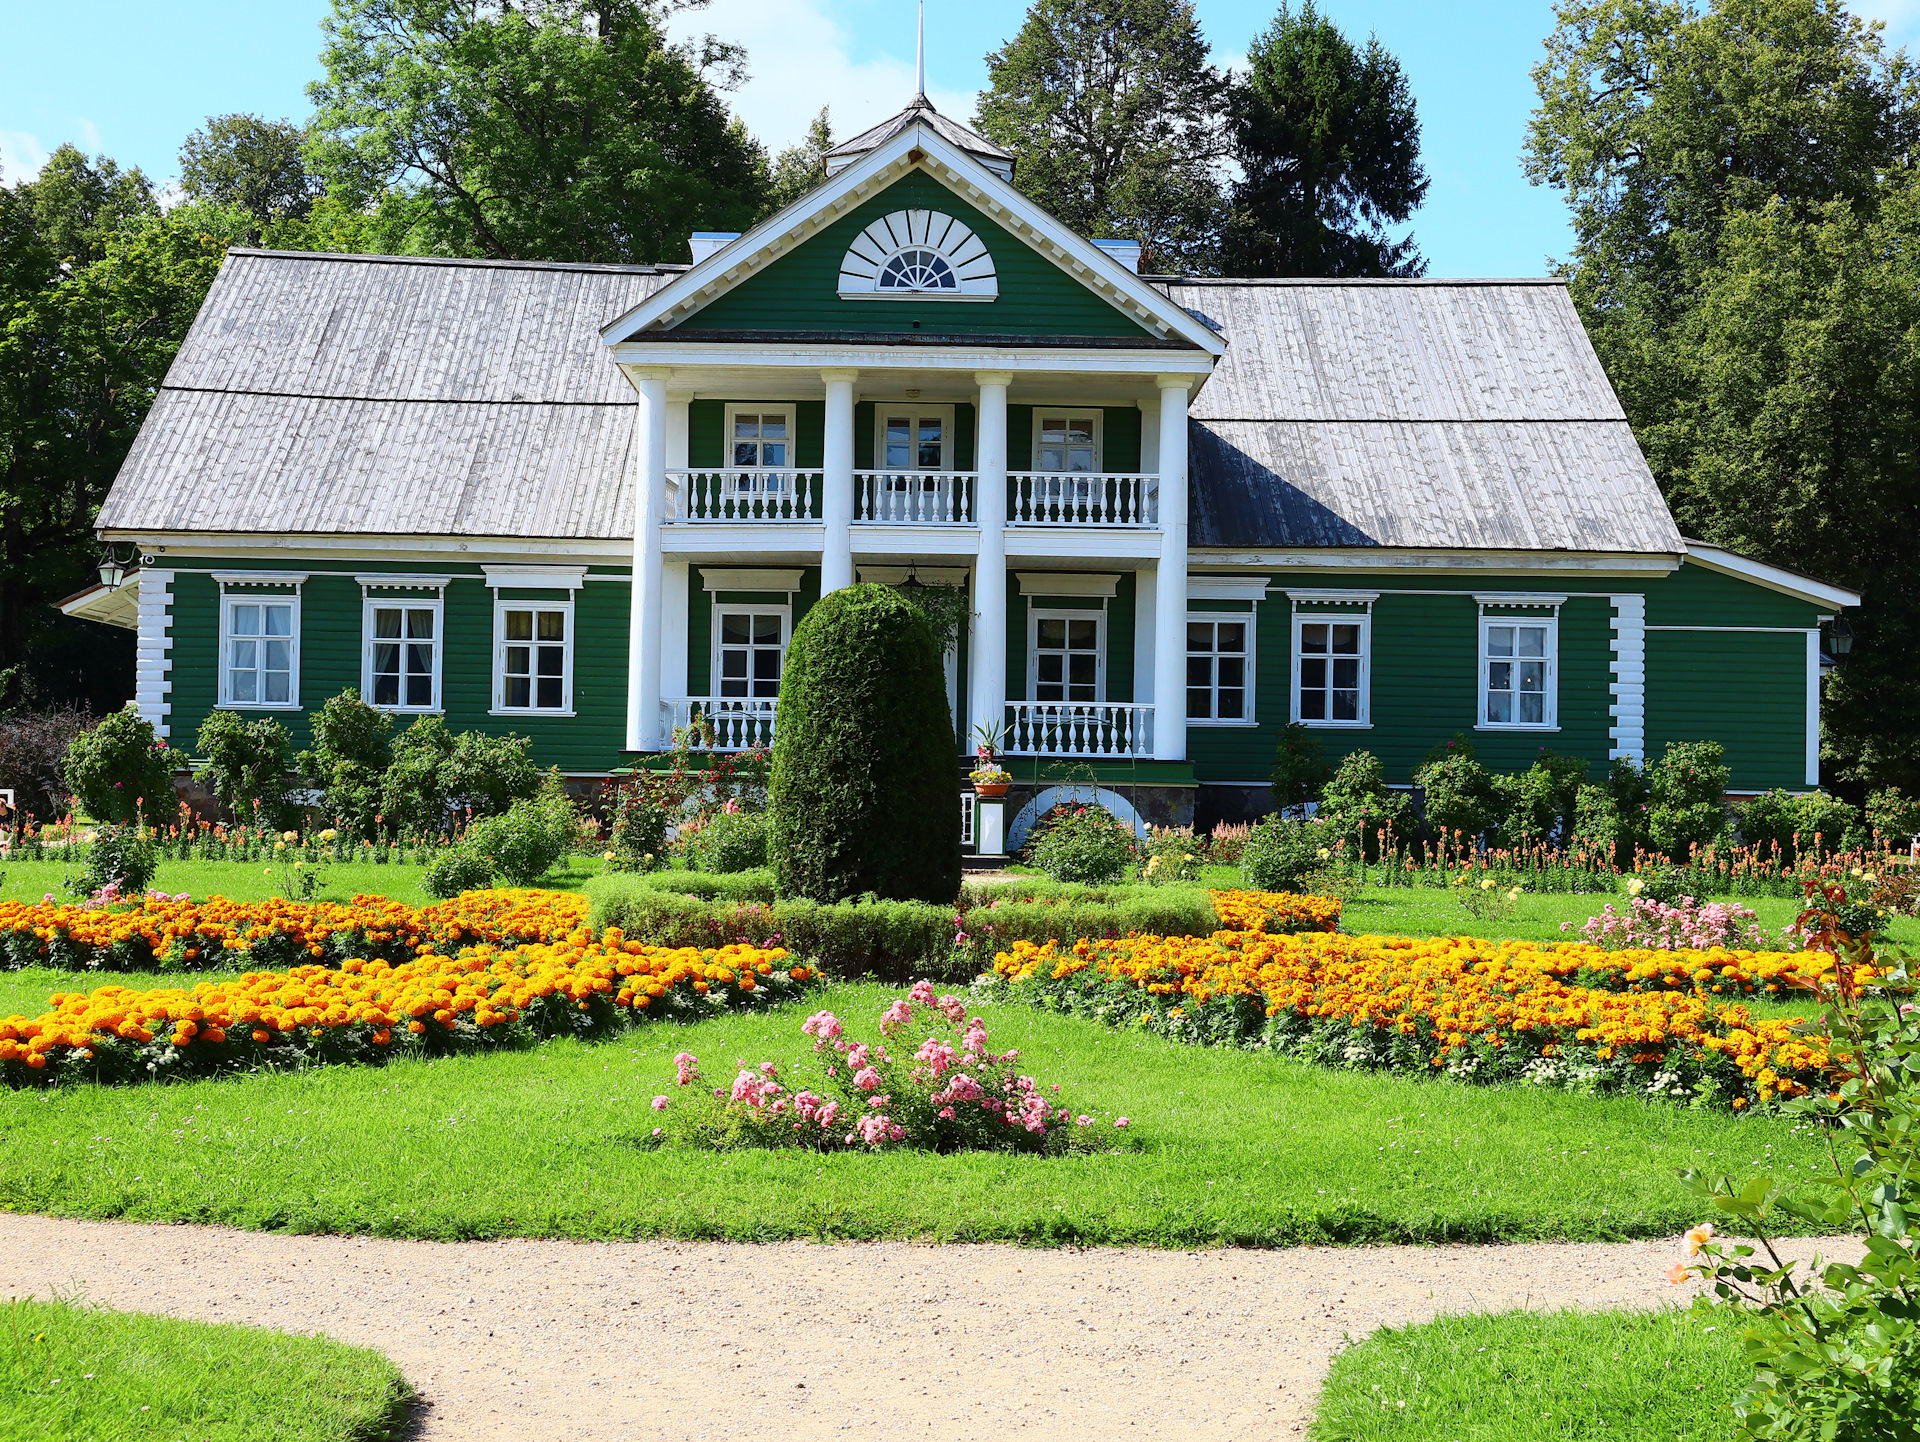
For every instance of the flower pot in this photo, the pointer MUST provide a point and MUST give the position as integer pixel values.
(992, 790)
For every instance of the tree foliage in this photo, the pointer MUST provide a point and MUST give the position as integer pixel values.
(799, 168)
(1746, 213)
(1114, 118)
(562, 130)
(865, 791)
(1328, 145)
(253, 165)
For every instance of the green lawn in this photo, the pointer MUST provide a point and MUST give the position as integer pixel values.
(1231, 1147)
(73, 1373)
(1532, 1377)
(260, 880)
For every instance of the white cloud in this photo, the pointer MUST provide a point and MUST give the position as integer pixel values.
(799, 60)
(89, 136)
(21, 156)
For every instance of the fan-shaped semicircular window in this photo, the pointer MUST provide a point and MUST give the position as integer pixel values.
(918, 255)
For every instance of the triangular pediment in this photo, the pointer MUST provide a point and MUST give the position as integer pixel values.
(970, 255)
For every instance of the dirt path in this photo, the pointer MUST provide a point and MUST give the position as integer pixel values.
(616, 1342)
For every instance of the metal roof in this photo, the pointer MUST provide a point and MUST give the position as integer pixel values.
(920, 110)
(377, 395)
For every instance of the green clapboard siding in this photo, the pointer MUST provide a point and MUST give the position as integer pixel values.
(707, 426)
(800, 291)
(1746, 690)
(1695, 596)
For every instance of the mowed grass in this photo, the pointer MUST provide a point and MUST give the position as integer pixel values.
(1540, 1377)
(76, 1373)
(261, 880)
(1226, 1147)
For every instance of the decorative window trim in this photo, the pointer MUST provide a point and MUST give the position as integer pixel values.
(1228, 588)
(1344, 607)
(289, 592)
(1068, 583)
(758, 408)
(371, 603)
(863, 267)
(534, 578)
(716, 579)
(1235, 618)
(500, 609)
(746, 608)
(1037, 614)
(1529, 611)
(1040, 413)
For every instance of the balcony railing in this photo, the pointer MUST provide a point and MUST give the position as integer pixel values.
(1059, 498)
(735, 723)
(1078, 728)
(914, 498)
(748, 496)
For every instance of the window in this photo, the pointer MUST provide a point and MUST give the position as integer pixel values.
(918, 269)
(1330, 670)
(402, 670)
(1517, 672)
(1220, 669)
(750, 647)
(1068, 656)
(1065, 441)
(760, 451)
(535, 656)
(914, 442)
(260, 651)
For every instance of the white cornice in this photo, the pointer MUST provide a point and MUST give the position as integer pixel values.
(916, 147)
(668, 354)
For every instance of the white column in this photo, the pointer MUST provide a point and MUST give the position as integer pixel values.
(1145, 618)
(1170, 586)
(836, 482)
(645, 624)
(673, 628)
(987, 687)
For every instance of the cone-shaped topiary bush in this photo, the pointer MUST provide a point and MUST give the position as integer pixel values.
(865, 792)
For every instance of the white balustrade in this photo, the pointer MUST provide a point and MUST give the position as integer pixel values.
(744, 495)
(1078, 728)
(1067, 498)
(734, 723)
(914, 498)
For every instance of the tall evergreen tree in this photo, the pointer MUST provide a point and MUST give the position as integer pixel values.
(799, 168)
(525, 129)
(1114, 118)
(1741, 175)
(1329, 151)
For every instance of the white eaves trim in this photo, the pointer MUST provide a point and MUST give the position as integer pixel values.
(1774, 578)
(972, 182)
(111, 606)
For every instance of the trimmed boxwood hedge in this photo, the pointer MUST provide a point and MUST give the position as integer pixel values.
(865, 787)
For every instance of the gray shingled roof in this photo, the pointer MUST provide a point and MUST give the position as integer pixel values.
(920, 110)
(378, 395)
(1458, 414)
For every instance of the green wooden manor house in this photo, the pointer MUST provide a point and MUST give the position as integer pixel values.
(588, 504)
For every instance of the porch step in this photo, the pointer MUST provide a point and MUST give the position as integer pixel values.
(970, 862)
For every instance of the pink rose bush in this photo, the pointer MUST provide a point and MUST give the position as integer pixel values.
(1649, 925)
(932, 1082)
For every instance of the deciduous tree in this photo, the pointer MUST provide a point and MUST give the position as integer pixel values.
(250, 164)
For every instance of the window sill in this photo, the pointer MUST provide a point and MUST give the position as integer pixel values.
(1514, 726)
(527, 711)
(257, 706)
(1336, 725)
(1219, 725)
(410, 710)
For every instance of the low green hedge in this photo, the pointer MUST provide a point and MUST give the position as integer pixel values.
(892, 940)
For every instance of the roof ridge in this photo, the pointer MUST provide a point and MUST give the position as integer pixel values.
(599, 268)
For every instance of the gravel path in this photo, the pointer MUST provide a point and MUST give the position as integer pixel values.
(616, 1342)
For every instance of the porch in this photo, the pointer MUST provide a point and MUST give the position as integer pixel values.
(1093, 730)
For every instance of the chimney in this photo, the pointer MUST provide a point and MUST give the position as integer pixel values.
(706, 242)
(1127, 252)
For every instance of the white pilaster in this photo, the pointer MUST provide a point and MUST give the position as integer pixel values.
(645, 625)
(1627, 704)
(987, 684)
(676, 581)
(1145, 619)
(1813, 707)
(153, 654)
(836, 482)
(1170, 586)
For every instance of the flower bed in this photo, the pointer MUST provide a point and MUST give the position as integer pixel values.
(1569, 1015)
(178, 934)
(366, 1010)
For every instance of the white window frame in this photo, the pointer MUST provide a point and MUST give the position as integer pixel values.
(1245, 618)
(1040, 414)
(880, 409)
(1551, 709)
(232, 595)
(1364, 620)
(1037, 614)
(746, 479)
(402, 601)
(500, 609)
(745, 608)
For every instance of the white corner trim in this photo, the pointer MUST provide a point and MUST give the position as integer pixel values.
(1330, 596)
(750, 580)
(1227, 588)
(897, 575)
(261, 578)
(1068, 583)
(153, 653)
(386, 582)
(1627, 708)
(1774, 578)
(535, 578)
(1813, 707)
(1528, 599)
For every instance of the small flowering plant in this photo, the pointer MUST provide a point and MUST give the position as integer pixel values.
(930, 1082)
(1650, 925)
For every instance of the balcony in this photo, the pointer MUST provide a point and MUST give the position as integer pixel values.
(914, 498)
(1078, 728)
(1061, 498)
(752, 497)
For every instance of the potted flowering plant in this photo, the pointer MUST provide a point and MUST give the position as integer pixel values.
(989, 778)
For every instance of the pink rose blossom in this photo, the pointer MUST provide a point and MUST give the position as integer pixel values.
(867, 1079)
(659, 1104)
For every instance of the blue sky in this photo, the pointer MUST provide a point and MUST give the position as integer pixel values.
(133, 79)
